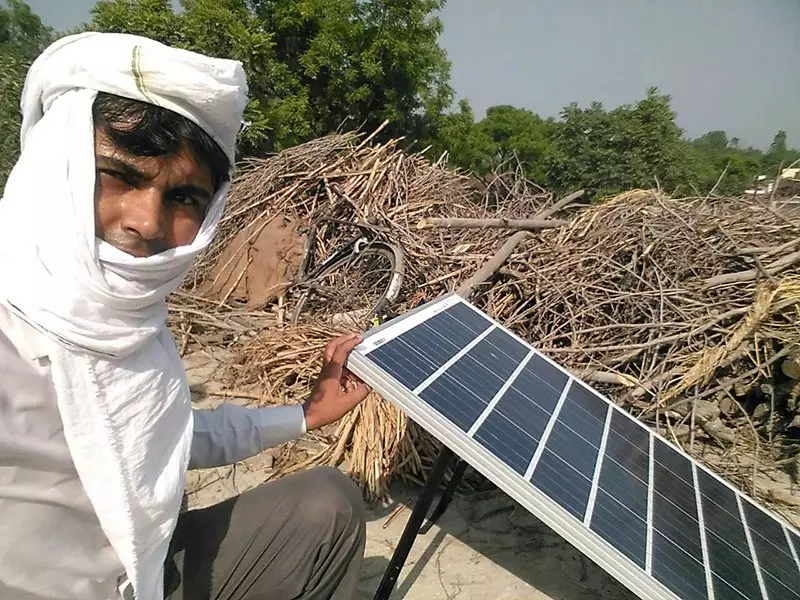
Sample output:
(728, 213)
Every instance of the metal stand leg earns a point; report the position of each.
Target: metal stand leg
(415, 521)
(447, 496)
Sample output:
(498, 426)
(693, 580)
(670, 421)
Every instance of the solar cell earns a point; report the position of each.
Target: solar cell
(513, 428)
(416, 354)
(676, 546)
(662, 524)
(467, 386)
(732, 571)
(778, 567)
(566, 467)
(620, 507)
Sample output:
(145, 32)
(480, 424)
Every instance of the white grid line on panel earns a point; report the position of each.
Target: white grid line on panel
(478, 311)
(750, 545)
(702, 527)
(548, 428)
(435, 375)
(493, 402)
(650, 480)
(792, 549)
(601, 452)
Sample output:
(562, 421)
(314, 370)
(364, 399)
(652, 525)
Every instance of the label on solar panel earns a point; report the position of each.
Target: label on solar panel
(661, 523)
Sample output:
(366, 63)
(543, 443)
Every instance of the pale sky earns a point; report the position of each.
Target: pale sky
(728, 64)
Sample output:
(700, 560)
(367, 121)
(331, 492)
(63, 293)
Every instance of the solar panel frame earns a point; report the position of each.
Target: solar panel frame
(520, 488)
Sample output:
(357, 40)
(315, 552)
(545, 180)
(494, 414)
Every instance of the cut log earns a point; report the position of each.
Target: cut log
(782, 497)
(752, 274)
(488, 269)
(716, 429)
(769, 251)
(612, 378)
(515, 224)
(491, 266)
(561, 204)
(761, 411)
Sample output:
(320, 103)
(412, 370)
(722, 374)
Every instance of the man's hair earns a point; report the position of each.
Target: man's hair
(147, 130)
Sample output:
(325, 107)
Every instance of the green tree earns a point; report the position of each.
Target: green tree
(722, 163)
(778, 154)
(506, 134)
(363, 61)
(22, 38)
(468, 146)
(12, 77)
(713, 142)
(778, 145)
(313, 65)
(22, 31)
(631, 146)
(519, 135)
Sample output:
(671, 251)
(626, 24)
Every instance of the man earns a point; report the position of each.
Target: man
(127, 150)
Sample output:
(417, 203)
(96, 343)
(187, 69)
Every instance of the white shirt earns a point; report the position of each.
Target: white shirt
(51, 542)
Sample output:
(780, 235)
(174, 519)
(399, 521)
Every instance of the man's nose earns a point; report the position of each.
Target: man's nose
(143, 215)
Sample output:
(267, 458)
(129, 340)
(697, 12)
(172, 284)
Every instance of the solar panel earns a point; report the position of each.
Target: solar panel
(661, 523)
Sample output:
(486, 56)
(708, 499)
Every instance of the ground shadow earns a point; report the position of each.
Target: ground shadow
(371, 573)
(493, 527)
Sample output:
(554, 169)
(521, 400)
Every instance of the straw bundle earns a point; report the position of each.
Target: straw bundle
(373, 439)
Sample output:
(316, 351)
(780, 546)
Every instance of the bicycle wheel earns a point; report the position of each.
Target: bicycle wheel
(350, 290)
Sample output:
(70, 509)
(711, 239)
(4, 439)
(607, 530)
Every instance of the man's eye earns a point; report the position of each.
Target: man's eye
(186, 200)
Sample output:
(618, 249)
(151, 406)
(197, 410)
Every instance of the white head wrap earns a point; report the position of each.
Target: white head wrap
(121, 387)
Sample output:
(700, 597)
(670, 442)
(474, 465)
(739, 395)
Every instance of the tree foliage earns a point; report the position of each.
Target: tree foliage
(317, 66)
(722, 163)
(22, 38)
(634, 145)
(506, 135)
(779, 154)
(312, 65)
(608, 151)
(22, 31)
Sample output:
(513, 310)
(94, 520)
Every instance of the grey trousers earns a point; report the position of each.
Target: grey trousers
(300, 537)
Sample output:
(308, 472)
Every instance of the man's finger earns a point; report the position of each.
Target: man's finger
(327, 354)
(332, 366)
(330, 348)
(344, 348)
(358, 393)
(350, 376)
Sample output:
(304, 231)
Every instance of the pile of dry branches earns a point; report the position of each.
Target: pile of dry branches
(685, 311)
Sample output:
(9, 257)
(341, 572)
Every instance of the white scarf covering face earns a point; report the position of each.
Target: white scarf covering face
(121, 386)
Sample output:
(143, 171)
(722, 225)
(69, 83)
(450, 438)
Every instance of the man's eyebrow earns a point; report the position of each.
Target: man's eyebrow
(127, 169)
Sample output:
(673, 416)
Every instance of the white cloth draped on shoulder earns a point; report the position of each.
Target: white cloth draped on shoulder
(121, 387)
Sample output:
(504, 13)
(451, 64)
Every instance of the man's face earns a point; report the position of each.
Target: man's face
(145, 205)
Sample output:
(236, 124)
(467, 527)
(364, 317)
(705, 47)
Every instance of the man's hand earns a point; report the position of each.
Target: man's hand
(337, 391)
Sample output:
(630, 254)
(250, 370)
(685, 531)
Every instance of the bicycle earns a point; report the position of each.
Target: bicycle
(355, 284)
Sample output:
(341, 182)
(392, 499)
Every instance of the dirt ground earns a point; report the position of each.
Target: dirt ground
(484, 546)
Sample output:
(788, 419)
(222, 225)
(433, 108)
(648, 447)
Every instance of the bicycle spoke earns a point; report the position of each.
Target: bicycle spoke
(349, 291)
